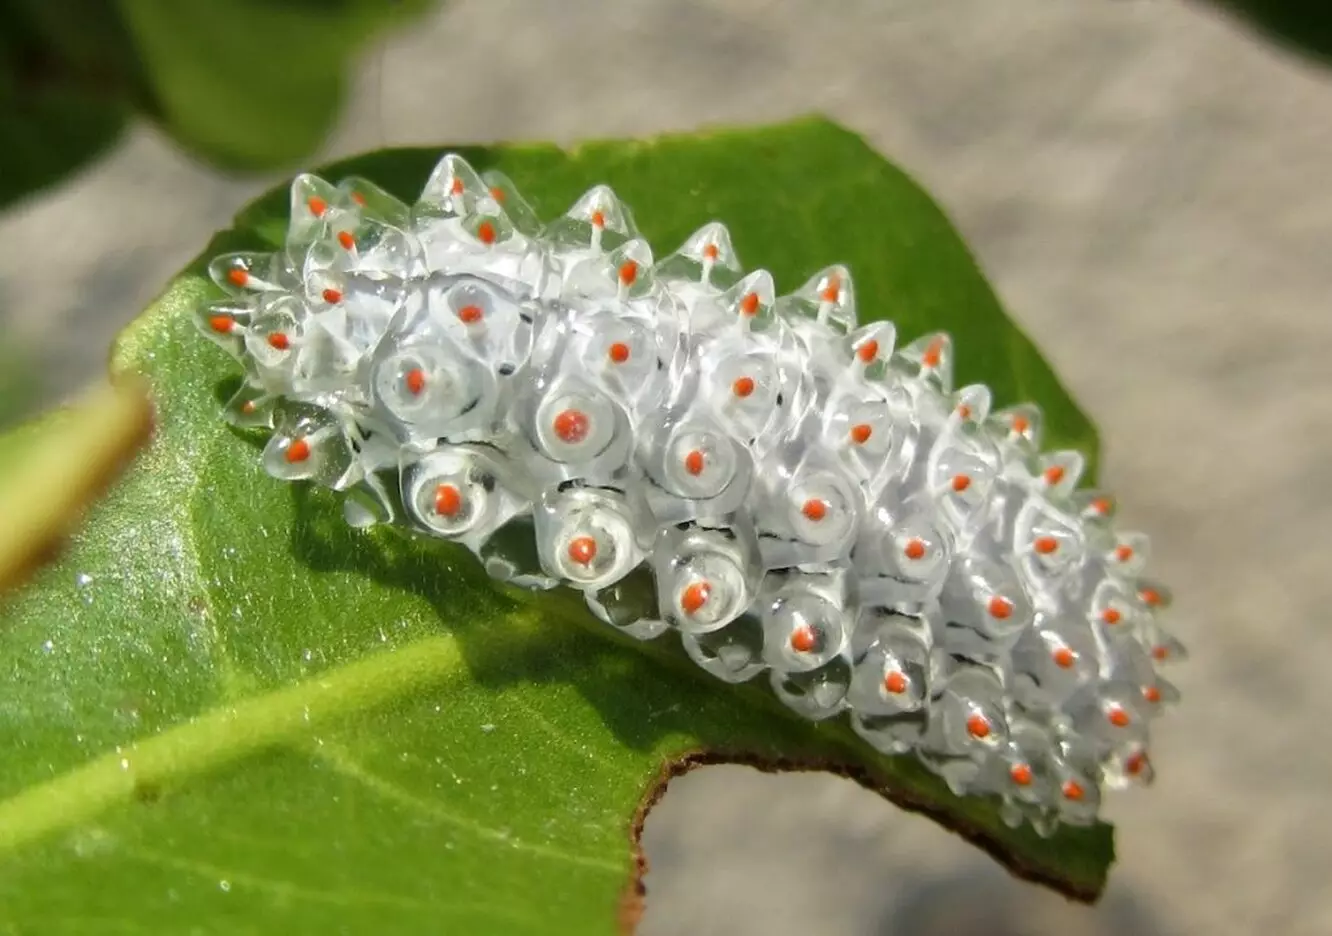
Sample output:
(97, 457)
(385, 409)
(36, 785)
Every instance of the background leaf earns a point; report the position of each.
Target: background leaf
(1303, 25)
(245, 84)
(232, 713)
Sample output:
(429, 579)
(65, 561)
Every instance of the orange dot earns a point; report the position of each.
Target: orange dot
(583, 549)
(618, 352)
(833, 291)
(1063, 658)
(1111, 616)
(1117, 717)
(860, 433)
(803, 639)
(448, 500)
(749, 304)
(317, 206)
(978, 726)
(297, 451)
(709, 251)
(238, 276)
(571, 426)
(814, 509)
(1021, 774)
(1045, 545)
(456, 188)
(1020, 424)
(358, 198)
(332, 296)
(346, 240)
(1102, 505)
(1073, 791)
(485, 232)
(695, 597)
(1151, 694)
(470, 314)
(279, 340)
(933, 353)
(1136, 762)
(498, 194)
(1150, 597)
(963, 411)
(961, 483)
(222, 324)
(628, 272)
(1054, 474)
(1000, 608)
(415, 379)
(868, 351)
(895, 683)
(914, 549)
(1159, 653)
(1124, 553)
(743, 386)
(248, 407)
(598, 219)
(693, 462)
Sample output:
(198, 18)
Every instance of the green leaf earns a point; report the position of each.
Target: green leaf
(245, 84)
(228, 712)
(1302, 25)
(253, 83)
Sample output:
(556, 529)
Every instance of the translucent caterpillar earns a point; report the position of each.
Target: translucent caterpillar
(793, 494)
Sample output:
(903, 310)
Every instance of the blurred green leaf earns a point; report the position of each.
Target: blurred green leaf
(1303, 25)
(244, 84)
(227, 711)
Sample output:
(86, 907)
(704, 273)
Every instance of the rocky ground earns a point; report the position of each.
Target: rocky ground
(1149, 189)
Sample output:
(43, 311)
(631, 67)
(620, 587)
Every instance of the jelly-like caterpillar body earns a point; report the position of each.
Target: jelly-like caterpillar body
(792, 493)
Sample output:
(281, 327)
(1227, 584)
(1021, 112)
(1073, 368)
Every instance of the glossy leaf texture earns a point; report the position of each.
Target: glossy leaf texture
(244, 84)
(228, 712)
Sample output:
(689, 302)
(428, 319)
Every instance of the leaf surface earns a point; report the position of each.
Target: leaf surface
(227, 712)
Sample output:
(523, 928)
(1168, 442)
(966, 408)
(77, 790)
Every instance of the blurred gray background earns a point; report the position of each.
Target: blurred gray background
(1149, 188)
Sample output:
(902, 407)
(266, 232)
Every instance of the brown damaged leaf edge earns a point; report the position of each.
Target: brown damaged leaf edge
(633, 902)
(67, 465)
